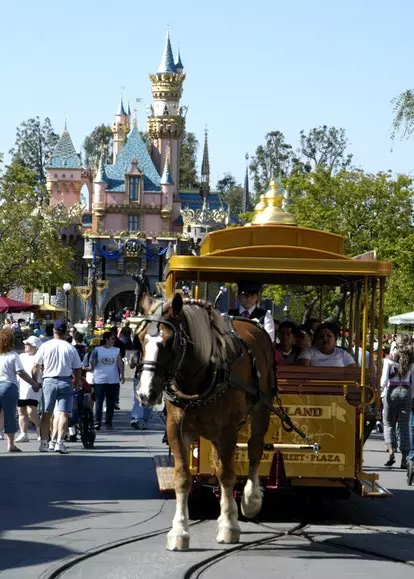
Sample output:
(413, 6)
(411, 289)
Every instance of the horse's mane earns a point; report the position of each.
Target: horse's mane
(201, 320)
(199, 328)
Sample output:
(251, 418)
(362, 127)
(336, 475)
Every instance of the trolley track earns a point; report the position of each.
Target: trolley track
(197, 570)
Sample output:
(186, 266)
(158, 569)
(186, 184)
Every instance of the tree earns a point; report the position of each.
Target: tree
(31, 255)
(325, 147)
(188, 162)
(273, 159)
(403, 108)
(230, 193)
(98, 141)
(372, 212)
(35, 141)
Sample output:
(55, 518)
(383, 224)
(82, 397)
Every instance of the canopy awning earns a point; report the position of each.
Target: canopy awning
(10, 306)
(402, 319)
(50, 308)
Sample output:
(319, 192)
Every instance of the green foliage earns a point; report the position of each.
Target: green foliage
(321, 147)
(403, 109)
(372, 212)
(230, 192)
(273, 159)
(188, 162)
(35, 141)
(31, 255)
(324, 147)
(247, 217)
(99, 141)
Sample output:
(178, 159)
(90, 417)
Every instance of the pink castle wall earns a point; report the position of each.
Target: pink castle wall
(64, 193)
(115, 198)
(115, 222)
(152, 223)
(153, 199)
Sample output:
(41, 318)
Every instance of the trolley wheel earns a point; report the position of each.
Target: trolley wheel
(410, 472)
(87, 430)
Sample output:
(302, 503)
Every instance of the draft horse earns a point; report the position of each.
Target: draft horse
(193, 356)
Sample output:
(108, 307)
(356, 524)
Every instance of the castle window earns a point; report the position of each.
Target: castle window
(133, 223)
(133, 188)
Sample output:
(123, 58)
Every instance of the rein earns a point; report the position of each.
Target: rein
(222, 378)
(180, 342)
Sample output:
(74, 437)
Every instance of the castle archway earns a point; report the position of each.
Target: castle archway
(118, 302)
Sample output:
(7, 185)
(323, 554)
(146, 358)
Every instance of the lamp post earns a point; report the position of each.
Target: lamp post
(66, 288)
(286, 311)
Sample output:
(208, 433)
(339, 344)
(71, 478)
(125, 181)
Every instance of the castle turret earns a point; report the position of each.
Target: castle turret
(64, 172)
(205, 170)
(100, 185)
(166, 125)
(120, 129)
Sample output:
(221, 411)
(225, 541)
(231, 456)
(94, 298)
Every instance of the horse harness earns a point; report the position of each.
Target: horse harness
(222, 377)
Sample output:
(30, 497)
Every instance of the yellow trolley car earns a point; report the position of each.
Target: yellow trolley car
(333, 406)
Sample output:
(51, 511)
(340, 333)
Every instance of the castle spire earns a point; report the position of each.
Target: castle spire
(179, 68)
(121, 109)
(246, 194)
(167, 59)
(205, 166)
(100, 175)
(166, 178)
(120, 129)
(205, 169)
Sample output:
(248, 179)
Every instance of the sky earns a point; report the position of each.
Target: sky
(251, 68)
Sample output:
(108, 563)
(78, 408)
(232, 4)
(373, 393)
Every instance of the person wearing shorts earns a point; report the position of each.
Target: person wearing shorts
(10, 368)
(28, 398)
(58, 360)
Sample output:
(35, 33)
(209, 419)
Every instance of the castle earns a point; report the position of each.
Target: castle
(135, 206)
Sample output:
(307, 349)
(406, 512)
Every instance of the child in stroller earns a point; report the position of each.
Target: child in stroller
(81, 419)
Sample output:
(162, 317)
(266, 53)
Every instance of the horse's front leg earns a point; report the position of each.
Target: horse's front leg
(252, 497)
(178, 538)
(228, 525)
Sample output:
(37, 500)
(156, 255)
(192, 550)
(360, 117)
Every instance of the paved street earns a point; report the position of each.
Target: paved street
(56, 508)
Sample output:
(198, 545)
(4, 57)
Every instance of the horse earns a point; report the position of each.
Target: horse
(193, 358)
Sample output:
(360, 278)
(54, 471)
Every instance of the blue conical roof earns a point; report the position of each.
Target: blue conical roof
(121, 109)
(64, 155)
(134, 148)
(166, 178)
(101, 175)
(178, 62)
(167, 61)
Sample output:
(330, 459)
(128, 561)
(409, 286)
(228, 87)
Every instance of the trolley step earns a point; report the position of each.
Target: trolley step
(164, 467)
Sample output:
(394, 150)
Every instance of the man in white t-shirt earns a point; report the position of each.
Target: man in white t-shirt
(58, 360)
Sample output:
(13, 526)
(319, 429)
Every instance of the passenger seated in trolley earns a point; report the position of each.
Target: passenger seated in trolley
(324, 351)
(287, 351)
(248, 296)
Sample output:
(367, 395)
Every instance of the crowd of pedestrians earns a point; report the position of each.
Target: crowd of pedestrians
(37, 387)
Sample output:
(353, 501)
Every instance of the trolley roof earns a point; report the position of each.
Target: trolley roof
(275, 254)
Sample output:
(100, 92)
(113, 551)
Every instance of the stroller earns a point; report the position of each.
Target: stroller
(82, 414)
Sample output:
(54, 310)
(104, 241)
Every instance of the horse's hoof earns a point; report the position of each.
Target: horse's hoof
(252, 507)
(178, 542)
(228, 536)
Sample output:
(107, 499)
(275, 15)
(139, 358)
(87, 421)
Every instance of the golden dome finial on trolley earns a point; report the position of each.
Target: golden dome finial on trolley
(270, 210)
